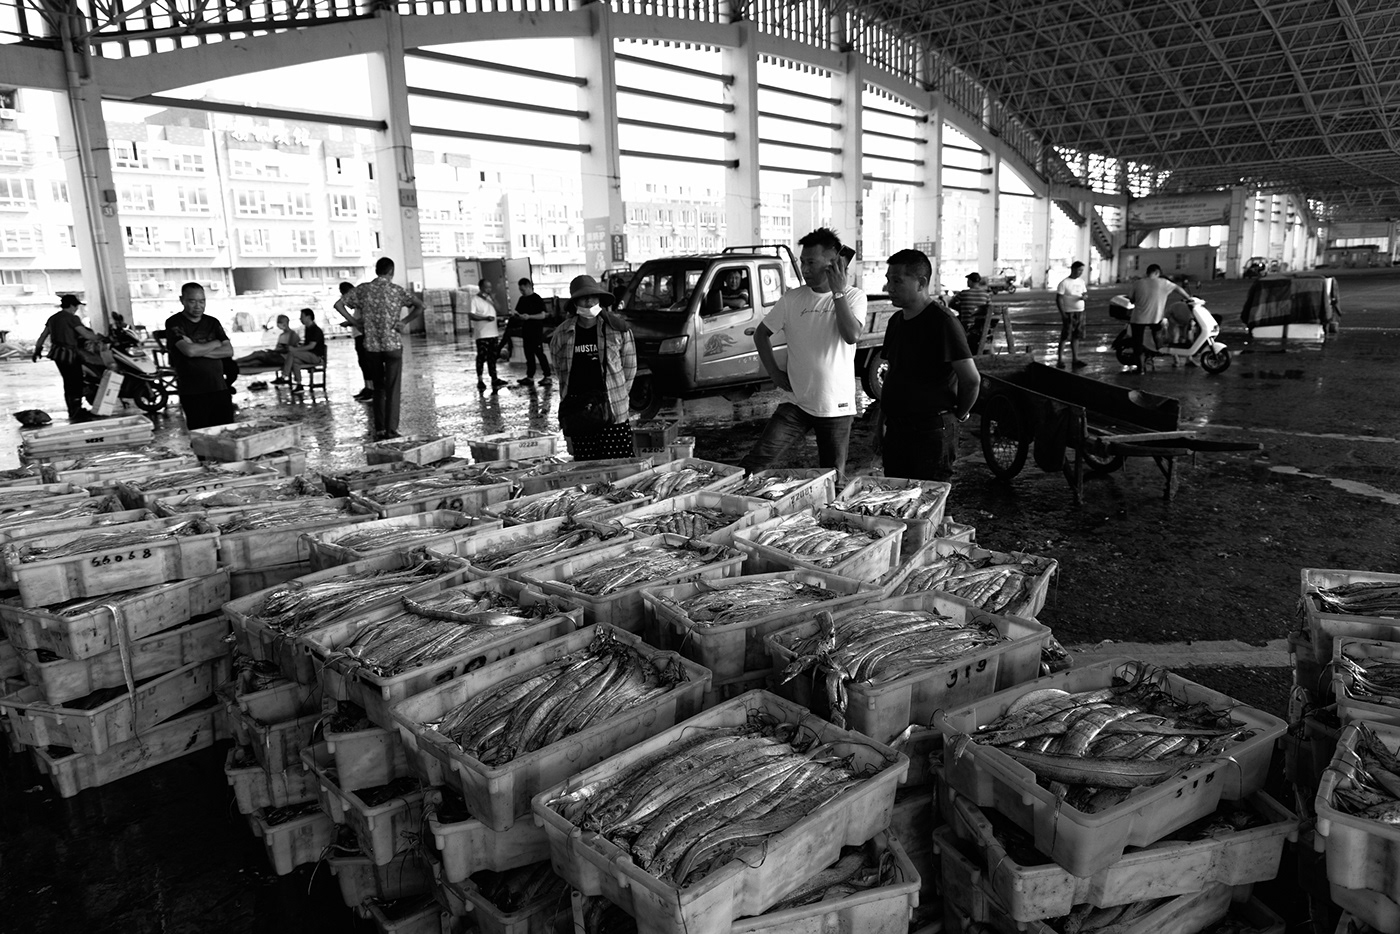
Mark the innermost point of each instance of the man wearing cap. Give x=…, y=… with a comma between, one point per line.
x=199, y=348
x=377, y=304
x=595, y=358
x=68, y=336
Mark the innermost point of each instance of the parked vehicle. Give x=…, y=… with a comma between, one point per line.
x=1257, y=267
x=1202, y=347
x=1004, y=281
x=147, y=385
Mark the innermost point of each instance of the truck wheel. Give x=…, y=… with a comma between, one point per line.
x=644, y=399
x=1005, y=443
x=872, y=380
x=1011, y=288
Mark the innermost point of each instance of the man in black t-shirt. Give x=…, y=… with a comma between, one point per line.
x=529, y=308
x=310, y=352
x=932, y=381
x=198, y=349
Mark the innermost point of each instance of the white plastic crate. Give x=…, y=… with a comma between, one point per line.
x=868, y=564
x=325, y=551
x=1352, y=708
x=297, y=842
x=468, y=846
x=743, y=511
x=1361, y=853
x=917, y=532
x=1325, y=627
x=384, y=830
x=254, y=787
x=1028, y=607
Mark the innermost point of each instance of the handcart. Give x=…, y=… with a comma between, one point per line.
x=1077, y=424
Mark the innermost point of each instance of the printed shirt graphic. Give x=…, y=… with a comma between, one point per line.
x=821, y=366
x=380, y=303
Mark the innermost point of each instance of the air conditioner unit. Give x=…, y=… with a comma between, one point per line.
x=28, y=288
x=7, y=113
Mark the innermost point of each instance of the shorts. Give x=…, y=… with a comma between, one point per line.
x=1071, y=324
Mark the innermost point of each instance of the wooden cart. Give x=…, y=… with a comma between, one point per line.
x=1077, y=424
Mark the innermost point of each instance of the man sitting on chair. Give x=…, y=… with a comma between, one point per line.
x=311, y=352
x=277, y=356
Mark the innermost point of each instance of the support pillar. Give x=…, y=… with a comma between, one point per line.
x=393, y=161
x=928, y=200
x=742, y=193
x=988, y=216
x=848, y=191
x=1084, y=242
x=1241, y=225
x=1040, y=241
x=601, y=165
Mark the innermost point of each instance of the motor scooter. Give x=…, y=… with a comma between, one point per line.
x=1203, y=348
x=146, y=385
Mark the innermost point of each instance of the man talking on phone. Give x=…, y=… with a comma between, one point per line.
x=820, y=322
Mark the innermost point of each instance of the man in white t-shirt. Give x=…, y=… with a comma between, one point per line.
x=488, y=335
x=820, y=322
x=1069, y=299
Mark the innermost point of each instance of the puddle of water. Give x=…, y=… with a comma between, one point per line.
x=1348, y=486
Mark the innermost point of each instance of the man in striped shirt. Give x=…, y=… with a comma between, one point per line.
x=974, y=306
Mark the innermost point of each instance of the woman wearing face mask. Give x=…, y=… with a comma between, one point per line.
x=595, y=359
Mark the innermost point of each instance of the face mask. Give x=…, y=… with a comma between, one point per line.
x=588, y=312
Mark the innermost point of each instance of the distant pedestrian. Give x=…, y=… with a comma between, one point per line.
x=367, y=393
x=820, y=322
x=1069, y=299
x=199, y=348
x=68, y=337
x=974, y=307
x=932, y=381
x=310, y=352
x=596, y=359
x=378, y=304
x=530, y=309
x=483, y=314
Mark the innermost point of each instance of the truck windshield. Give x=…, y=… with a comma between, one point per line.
x=663, y=286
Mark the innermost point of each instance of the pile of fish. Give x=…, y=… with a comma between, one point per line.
x=557, y=699
x=402, y=491
x=1362, y=598
x=114, y=540
x=515, y=889
x=298, y=606
x=271, y=517
x=403, y=444
x=28, y=472
x=295, y=488
x=875, y=645
x=1369, y=786
x=769, y=487
x=377, y=472
x=688, y=809
x=997, y=582
x=247, y=430
x=1094, y=747
x=822, y=542
x=112, y=460
x=182, y=479
x=383, y=537
x=670, y=483
x=538, y=548
x=569, y=501
x=737, y=600
x=908, y=503
x=1373, y=680
x=93, y=506
x=655, y=561
x=434, y=628
x=696, y=522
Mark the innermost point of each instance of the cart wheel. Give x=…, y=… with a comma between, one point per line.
x=873, y=379
x=1216, y=361
x=152, y=398
x=1096, y=464
x=1004, y=441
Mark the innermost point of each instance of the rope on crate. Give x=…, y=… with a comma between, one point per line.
x=119, y=622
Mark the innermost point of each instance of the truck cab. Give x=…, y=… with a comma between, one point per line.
x=693, y=318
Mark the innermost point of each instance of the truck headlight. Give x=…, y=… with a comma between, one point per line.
x=674, y=344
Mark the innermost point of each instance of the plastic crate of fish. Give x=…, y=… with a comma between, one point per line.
x=886, y=709
x=66, y=679
x=468, y=846
x=280, y=544
x=254, y=787
x=867, y=564
x=475, y=549
x=733, y=650
x=789, y=489
x=87, y=472
x=1326, y=626
x=143, y=494
x=511, y=511
x=243, y=441
x=465, y=495
x=276, y=746
x=415, y=449
x=721, y=691
x=291, y=843
x=1084, y=842
x=385, y=828
x=366, y=756
x=547, y=477
x=1361, y=852
x=281, y=700
x=931, y=501
x=970, y=905
x=72, y=772
x=112, y=569
x=343, y=677
x=89, y=628
x=405, y=876
x=38, y=722
x=1353, y=703
x=622, y=607
x=440, y=530
x=549, y=913
x=664, y=477
x=17, y=498
x=756, y=879
x=247, y=581
x=20, y=525
x=1028, y=604
x=500, y=795
x=516, y=445
x=420, y=915
x=288, y=462
x=1034, y=891
x=345, y=482
x=741, y=511
x=9, y=662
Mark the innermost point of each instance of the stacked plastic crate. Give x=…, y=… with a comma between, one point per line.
x=1353, y=621
x=115, y=630
x=264, y=444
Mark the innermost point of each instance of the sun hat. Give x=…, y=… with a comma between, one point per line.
x=584, y=286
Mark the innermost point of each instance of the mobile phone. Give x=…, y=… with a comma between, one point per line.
x=847, y=253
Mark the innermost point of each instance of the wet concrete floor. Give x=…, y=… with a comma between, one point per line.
x=167, y=850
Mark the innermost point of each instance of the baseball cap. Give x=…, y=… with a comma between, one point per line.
x=70, y=301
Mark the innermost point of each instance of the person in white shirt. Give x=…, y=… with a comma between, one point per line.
x=1069, y=299
x=821, y=323
x=488, y=335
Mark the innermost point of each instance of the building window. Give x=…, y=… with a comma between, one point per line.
x=460, y=238
x=128, y=155
x=191, y=163
x=11, y=152
x=257, y=241
x=372, y=208
x=299, y=204
x=59, y=191
x=20, y=241
x=12, y=277
x=16, y=194
x=142, y=239
x=345, y=242
x=343, y=207
x=250, y=203
x=66, y=237
x=138, y=198
x=194, y=200
x=303, y=241
x=199, y=240
x=376, y=241
x=432, y=242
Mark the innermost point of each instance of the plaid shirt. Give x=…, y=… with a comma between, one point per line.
x=379, y=302
x=619, y=360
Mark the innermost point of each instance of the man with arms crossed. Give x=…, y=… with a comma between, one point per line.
x=821, y=322
x=932, y=381
x=198, y=349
